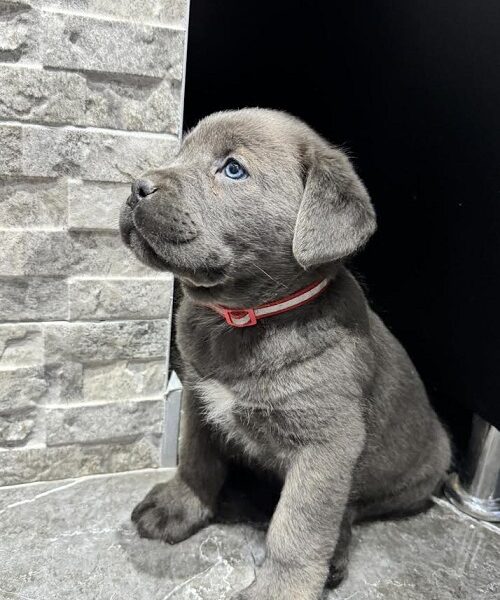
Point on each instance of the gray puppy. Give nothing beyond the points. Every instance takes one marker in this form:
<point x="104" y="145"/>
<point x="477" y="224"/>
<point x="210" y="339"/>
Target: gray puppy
<point x="254" y="207"/>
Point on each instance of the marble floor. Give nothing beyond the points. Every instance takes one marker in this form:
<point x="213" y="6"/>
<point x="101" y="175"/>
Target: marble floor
<point x="73" y="540"/>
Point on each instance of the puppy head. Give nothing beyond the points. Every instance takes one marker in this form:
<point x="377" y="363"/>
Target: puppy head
<point x="254" y="205"/>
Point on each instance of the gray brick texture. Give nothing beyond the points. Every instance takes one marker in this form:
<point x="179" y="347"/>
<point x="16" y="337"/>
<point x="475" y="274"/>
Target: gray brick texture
<point x="91" y="98"/>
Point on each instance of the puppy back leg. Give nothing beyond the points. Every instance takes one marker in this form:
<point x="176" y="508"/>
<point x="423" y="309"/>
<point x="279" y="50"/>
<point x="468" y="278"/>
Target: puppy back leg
<point x="175" y="510"/>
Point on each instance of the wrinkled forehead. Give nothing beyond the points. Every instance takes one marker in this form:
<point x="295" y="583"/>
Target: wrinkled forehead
<point x="222" y="135"/>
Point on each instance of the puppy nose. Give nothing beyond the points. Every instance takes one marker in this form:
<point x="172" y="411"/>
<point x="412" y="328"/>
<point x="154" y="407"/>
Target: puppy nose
<point x="140" y="189"/>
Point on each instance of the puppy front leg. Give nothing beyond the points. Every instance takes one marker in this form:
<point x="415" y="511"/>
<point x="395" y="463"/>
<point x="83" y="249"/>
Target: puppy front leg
<point x="305" y="527"/>
<point x="175" y="510"/>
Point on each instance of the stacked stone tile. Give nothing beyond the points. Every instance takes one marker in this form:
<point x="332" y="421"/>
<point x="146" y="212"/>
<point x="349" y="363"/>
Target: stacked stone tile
<point x="90" y="97"/>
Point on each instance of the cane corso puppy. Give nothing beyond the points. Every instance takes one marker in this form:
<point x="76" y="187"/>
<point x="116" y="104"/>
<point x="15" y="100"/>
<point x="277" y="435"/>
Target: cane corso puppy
<point x="286" y="367"/>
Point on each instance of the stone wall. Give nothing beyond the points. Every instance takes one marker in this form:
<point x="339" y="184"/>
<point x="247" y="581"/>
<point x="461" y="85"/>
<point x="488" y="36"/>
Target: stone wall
<point x="90" y="96"/>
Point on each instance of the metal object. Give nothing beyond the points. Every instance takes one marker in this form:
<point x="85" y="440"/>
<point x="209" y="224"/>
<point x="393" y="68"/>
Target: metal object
<point x="171" y="422"/>
<point x="476" y="491"/>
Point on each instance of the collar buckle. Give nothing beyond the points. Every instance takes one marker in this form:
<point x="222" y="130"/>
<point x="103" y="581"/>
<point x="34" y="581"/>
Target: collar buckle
<point x="243" y="317"/>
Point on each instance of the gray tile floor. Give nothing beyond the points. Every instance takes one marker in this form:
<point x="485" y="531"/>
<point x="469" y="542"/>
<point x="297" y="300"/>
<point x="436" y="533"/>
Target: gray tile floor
<point x="73" y="540"/>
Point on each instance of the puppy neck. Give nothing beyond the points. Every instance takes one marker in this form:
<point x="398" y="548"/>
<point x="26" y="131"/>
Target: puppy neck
<point x="244" y="316"/>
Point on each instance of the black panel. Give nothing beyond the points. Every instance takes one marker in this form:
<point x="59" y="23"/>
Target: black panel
<point x="412" y="90"/>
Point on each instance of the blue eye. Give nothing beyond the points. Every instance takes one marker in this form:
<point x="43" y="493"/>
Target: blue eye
<point x="234" y="170"/>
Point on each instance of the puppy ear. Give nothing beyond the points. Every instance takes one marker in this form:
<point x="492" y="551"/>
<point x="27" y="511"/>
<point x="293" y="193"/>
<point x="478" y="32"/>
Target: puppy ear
<point x="336" y="217"/>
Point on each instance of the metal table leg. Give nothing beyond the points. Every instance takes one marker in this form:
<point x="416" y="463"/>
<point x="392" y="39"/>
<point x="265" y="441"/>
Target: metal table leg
<point x="476" y="490"/>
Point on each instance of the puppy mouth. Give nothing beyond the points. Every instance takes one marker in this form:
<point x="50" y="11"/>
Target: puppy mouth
<point x="144" y="252"/>
<point x="205" y="277"/>
<point x="200" y="276"/>
<point x="190" y="282"/>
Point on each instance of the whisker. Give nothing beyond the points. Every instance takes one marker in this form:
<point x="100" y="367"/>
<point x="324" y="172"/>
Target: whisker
<point x="270" y="277"/>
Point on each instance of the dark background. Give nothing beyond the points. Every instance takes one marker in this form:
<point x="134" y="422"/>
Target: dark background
<point x="412" y="90"/>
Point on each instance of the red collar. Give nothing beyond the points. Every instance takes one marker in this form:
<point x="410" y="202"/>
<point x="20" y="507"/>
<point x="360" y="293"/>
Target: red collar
<point x="245" y="317"/>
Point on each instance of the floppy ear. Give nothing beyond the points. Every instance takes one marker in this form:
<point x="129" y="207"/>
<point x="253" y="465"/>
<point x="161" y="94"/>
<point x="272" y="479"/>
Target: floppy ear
<point x="336" y="216"/>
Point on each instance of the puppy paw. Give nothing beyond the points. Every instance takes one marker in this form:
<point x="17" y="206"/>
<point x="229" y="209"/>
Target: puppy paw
<point x="244" y="595"/>
<point x="170" y="512"/>
<point x="251" y="594"/>
<point x="336" y="575"/>
<point x="254" y="592"/>
<point x="258" y="591"/>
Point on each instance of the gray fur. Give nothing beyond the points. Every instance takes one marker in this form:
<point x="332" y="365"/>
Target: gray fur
<point x="324" y="397"/>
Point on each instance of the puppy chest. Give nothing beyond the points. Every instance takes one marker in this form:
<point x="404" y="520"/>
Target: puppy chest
<point x="249" y="427"/>
<point x="218" y="404"/>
